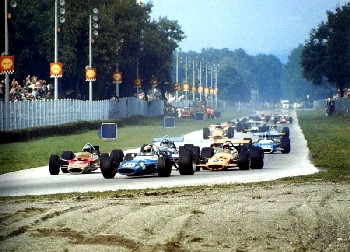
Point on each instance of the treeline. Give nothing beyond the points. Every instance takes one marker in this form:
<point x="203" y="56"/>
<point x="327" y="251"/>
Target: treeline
<point x="130" y="40"/>
<point x="126" y="36"/>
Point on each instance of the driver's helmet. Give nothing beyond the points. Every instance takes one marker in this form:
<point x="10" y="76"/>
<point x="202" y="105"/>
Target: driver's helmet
<point x="88" y="148"/>
<point x="226" y="147"/>
<point x="147" y="148"/>
<point x="165" y="142"/>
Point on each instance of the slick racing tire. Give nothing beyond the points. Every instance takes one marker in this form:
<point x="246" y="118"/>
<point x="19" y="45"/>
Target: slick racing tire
<point x="285" y="145"/>
<point x="257" y="157"/>
<point x="206" y="133"/>
<point x="164" y="166"/>
<point x="239" y="127"/>
<point x="243" y="160"/>
<point x="116" y="158"/>
<point x="187" y="164"/>
<point x="206" y="152"/>
<point x="230" y="132"/>
<point x="106" y="168"/>
<point x="54" y="164"/>
<point x="67" y="155"/>
<point x="285" y="130"/>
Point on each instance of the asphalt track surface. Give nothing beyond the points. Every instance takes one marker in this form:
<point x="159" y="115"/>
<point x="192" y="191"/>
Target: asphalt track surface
<point x="38" y="181"/>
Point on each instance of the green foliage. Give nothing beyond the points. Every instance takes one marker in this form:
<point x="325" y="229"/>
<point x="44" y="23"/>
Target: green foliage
<point x="295" y="87"/>
<point x="327" y="51"/>
<point x="120" y="40"/>
<point x="238" y="73"/>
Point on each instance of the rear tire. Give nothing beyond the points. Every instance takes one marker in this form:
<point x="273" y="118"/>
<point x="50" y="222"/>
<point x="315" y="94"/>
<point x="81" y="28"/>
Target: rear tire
<point x="206" y="133"/>
<point x="107" y="170"/>
<point x="54" y="164"/>
<point x="187" y="165"/>
<point x="239" y="127"/>
<point x="164" y="167"/>
<point x="230" y="132"/>
<point x="285" y="130"/>
<point x="257" y="157"/>
<point x="243" y="160"/>
<point x="285" y="145"/>
<point x="116" y="158"/>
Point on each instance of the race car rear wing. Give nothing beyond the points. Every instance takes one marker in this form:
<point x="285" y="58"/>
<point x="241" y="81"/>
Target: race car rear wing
<point x="267" y="134"/>
<point x="166" y="137"/>
<point x="233" y="141"/>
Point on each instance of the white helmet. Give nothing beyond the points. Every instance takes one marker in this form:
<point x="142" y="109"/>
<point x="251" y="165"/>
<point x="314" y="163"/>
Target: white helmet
<point x="88" y="148"/>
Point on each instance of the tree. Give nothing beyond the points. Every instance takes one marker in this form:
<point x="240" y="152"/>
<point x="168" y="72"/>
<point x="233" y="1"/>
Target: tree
<point x="296" y="88"/>
<point x="326" y="54"/>
<point x="124" y="29"/>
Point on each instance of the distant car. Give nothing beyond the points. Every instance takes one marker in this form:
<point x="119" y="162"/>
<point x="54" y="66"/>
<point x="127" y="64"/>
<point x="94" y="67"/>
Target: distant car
<point x="283" y="119"/>
<point x="186" y="112"/>
<point x="82" y="162"/>
<point x="274" y="140"/>
<point x="218" y="131"/>
<point x="152" y="159"/>
<point x="226" y="154"/>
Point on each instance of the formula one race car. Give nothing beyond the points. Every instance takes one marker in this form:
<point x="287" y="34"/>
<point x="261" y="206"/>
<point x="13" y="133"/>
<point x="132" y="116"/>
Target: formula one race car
<point x="152" y="159"/>
<point x="283" y="119"/>
<point x="274" y="140"/>
<point x="85" y="161"/>
<point x="218" y="131"/>
<point x="225" y="154"/>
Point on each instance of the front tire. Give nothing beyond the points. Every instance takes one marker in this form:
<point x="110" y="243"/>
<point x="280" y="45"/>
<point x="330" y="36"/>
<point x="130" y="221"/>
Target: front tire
<point x="107" y="170"/>
<point x="54" y="164"/>
<point x="164" y="167"/>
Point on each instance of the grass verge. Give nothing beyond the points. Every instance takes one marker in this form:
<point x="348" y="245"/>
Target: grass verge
<point x="36" y="153"/>
<point x="328" y="140"/>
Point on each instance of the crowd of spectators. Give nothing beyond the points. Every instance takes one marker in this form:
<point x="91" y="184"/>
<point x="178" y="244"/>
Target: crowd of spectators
<point x="31" y="88"/>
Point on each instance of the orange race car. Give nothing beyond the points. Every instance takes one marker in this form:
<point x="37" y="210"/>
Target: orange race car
<point x="218" y="131"/>
<point x="224" y="154"/>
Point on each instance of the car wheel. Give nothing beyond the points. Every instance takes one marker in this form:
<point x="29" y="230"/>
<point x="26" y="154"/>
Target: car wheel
<point x="230" y="132"/>
<point x="54" y="164"/>
<point x="285" y="131"/>
<point x="116" y="158"/>
<point x="239" y="127"/>
<point x="285" y="145"/>
<point x="105" y="165"/>
<point x="206" y="133"/>
<point x="187" y="165"/>
<point x="243" y="160"/>
<point x="164" y="166"/>
<point x="257" y="158"/>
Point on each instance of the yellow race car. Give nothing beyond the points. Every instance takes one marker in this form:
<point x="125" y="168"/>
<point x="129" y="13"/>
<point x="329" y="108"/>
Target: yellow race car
<point x="224" y="154"/>
<point x="218" y="131"/>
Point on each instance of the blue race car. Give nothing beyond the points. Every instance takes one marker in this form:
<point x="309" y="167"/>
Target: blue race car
<point x="274" y="140"/>
<point x="151" y="160"/>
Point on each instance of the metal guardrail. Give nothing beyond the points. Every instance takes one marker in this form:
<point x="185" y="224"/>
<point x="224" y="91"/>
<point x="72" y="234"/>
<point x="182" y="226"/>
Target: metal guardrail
<point x="28" y="114"/>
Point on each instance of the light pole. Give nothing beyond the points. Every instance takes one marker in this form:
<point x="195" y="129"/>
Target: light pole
<point x="13" y="4"/>
<point x="93" y="26"/>
<point x="118" y="45"/>
<point x="61" y="20"/>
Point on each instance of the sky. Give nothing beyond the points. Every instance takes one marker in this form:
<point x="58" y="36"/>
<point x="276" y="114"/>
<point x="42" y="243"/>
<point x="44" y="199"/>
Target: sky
<point x="257" y="26"/>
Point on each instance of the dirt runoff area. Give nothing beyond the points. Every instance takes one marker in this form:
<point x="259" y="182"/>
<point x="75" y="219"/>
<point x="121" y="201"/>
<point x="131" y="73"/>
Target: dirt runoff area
<point x="298" y="217"/>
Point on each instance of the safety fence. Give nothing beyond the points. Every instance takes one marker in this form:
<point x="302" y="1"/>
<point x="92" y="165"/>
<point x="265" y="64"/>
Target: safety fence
<point x="27" y="114"/>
